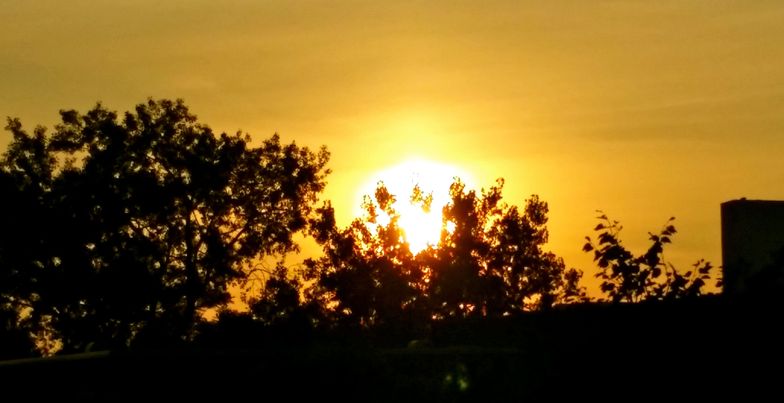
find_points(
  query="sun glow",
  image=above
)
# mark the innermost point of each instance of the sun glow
(420, 228)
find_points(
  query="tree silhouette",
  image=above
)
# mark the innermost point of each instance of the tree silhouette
(368, 275)
(489, 262)
(492, 260)
(123, 229)
(629, 278)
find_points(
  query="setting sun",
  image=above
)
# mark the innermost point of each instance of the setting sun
(420, 228)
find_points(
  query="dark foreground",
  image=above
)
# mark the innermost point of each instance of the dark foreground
(699, 350)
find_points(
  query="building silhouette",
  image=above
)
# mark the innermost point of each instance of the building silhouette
(752, 236)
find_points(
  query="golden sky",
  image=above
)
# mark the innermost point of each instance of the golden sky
(643, 109)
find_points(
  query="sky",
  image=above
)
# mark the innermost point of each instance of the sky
(644, 110)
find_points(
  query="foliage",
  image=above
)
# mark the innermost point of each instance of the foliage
(367, 276)
(492, 261)
(118, 227)
(629, 278)
(488, 262)
(123, 231)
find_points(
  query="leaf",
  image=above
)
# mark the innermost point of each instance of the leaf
(587, 247)
(598, 227)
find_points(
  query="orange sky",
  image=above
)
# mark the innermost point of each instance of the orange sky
(643, 110)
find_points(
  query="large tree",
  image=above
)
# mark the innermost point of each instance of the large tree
(492, 259)
(122, 228)
(489, 261)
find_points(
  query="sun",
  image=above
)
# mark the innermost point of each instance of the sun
(420, 228)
